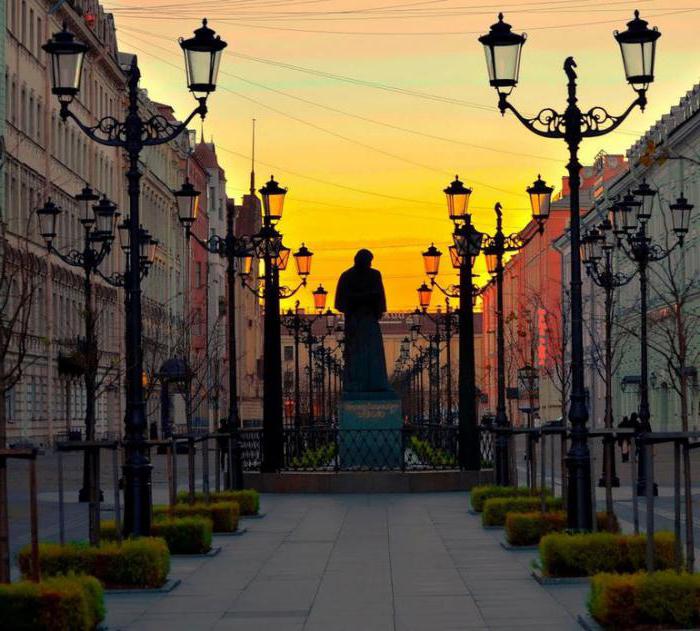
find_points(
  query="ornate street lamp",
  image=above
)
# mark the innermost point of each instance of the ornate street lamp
(98, 221)
(425, 293)
(134, 133)
(320, 295)
(638, 247)
(237, 252)
(457, 196)
(431, 260)
(267, 245)
(494, 250)
(503, 49)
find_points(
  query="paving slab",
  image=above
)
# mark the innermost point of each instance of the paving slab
(407, 562)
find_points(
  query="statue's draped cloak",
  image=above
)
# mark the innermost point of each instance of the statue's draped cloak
(360, 296)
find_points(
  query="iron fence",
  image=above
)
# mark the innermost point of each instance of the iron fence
(323, 448)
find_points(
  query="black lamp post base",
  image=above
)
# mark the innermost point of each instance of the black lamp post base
(84, 495)
(615, 482)
(642, 489)
(137, 497)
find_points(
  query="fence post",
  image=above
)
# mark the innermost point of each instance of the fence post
(634, 446)
(594, 499)
(229, 471)
(551, 464)
(205, 468)
(190, 467)
(94, 507)
(172, 471)
(402, 438)
(649, 489)
(61, 508)
(543, 468)
(217, 464)
(117, 498)
(677, 503)
(689, 532)
(34, 519)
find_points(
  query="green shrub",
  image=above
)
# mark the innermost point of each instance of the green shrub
(496, 508)
(431, 455)
(591, 553)
(136, 563)
(479, 494)
(223, 515)
(629, 601)
(315, 458)
(526, 529)
(248, 499)
(183, 535)
(74, 602)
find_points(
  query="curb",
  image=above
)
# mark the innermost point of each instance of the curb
(168, 586)
(552, 580)
(511, 548)
(256, 516)
(587, 622)
(213, 551)
(235, 533)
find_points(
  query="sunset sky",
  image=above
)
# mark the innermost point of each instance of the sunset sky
(392, 101)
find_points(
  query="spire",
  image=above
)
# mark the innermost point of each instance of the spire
(252, 164)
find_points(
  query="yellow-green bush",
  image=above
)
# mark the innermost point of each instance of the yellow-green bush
(141, 562)
(183, 535)
(74, 602)
(479, 494)
(564, 555)
(496, 508)
(526, 529)
(223, 515)
(630, 601)
(248, 500)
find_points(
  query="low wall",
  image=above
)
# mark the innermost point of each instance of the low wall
(367, 481)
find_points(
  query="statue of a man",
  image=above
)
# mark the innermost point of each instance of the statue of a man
(360, 296)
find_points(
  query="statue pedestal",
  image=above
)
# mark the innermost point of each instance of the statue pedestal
(370, 435)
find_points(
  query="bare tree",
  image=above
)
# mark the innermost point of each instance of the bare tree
(19, 278)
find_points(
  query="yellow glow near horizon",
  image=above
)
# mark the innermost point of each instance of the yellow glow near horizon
(356, 183)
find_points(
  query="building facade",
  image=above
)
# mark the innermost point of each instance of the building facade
(667, 156)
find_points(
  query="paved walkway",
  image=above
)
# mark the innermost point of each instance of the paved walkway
(356, 563)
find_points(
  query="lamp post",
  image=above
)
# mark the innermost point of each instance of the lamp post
(298, 326)
(597, 257)
(202, 56)
(98, 223)
(467, 245)
(638, 48)
(630, 217)
(231, 248)
(495, 249)
(267, 246)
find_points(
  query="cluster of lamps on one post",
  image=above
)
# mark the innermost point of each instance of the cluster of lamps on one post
(468, 243)
(625, 229)
(503, 50)
(202, 54)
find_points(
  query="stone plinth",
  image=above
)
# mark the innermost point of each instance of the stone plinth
(381, 448)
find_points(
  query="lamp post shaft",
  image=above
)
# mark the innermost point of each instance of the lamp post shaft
(644, 411)
(501, 420)
(297, 389)
(448, 352)
(578, 460)
(468, 430)
(310, 348)
(233, 420)
(272, 369)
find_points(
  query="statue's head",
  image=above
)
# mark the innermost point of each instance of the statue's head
(363, 259)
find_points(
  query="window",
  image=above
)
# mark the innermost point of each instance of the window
(30, 43)
(288, 353)
(23, 24)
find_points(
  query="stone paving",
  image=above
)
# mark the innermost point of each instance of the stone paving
(414, 562)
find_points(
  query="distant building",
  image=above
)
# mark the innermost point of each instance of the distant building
(536, 312)
(661, 156)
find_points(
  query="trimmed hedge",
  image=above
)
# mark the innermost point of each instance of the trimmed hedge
(431, 455)
(496, 508)
(223, 515)
(630, 601)
(526, 529)
(74, 602)
(136, 563)
(312, 458)
(183, 535)
(564, 555)
(248, 499)
(479, 494)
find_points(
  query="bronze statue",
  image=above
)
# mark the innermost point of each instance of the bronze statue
(360, 296)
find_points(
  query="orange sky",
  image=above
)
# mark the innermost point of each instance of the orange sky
(366, 164)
